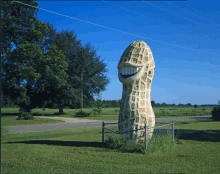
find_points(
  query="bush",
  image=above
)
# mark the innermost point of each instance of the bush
(216, 113)
(156, 143)
(25, 115)
(120, 143)
(116, 111)
(97, 107)
(82, 114)
(97, 111)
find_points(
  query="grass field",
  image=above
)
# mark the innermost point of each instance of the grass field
(80, 150)
(113, 113)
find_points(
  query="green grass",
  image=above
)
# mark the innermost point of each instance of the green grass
(113, 113)
(12, 121)
(80, 150)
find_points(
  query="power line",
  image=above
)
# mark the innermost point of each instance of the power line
(197, 10)
(171, 12)
(190, 12)
(136, 12)
(191, 7)
(117, 30)
(139, 13)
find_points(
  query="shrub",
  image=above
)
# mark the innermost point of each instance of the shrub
(116, 111)
(164, 113)
(156, 143)
(96, 111)
(97, 107)
(82, 114)
(23, 115)
(120, 143)
(216, 113)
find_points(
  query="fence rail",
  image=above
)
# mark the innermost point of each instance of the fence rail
(145, 127)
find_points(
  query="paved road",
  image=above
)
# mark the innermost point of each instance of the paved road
(84, 123)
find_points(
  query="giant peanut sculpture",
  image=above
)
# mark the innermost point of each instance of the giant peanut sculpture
(135, 71)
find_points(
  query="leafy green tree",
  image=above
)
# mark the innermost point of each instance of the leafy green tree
(97, 107)
(153, 103)
(89, 72)
(180, 104)
(195, 106)
(7, 102)
(163, 104)
(158, 104)
(20, 24)
(85, 70)
(189, 104)
(65, 41)
(42, 73)
(20, 27)
(119, 102)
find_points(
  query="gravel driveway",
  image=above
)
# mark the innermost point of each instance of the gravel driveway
(86, 123)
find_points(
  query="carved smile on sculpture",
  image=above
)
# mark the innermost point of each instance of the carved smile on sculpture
(128, 72)
(135, 71)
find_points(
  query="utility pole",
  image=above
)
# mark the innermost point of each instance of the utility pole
(81, 90)
(1, 39)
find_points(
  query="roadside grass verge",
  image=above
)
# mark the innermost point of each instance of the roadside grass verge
(196, 150)
(11, 121)
(113, 113)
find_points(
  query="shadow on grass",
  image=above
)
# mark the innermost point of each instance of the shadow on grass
(196, 135)
(60, 143)
(199, 135)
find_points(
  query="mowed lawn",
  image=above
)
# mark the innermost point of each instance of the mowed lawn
(113, 113)
(80, 150)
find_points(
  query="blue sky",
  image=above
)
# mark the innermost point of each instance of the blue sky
(181, 75)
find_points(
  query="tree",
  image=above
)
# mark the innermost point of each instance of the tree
(119, 103)
(66, 41)
(7, 102)
(89, 72)
(180, 104)
(158, 104)
(153, 103)
(85, 70)
(189, 104)
(42, 73)
(163, 104)
(97, 106)
(19, 26)
(173, 104)
(195, 106)
(20, 29)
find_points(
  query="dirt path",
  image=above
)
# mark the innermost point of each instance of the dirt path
(84, 123)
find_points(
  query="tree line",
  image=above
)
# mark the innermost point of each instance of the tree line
(104, 104)
(43, 67)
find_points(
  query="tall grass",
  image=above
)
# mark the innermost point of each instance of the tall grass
(156, 143)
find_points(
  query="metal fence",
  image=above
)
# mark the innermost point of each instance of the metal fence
(145, 127)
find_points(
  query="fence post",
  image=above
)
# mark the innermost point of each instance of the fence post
(103, 131)
(173, 130)
(145, 137)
